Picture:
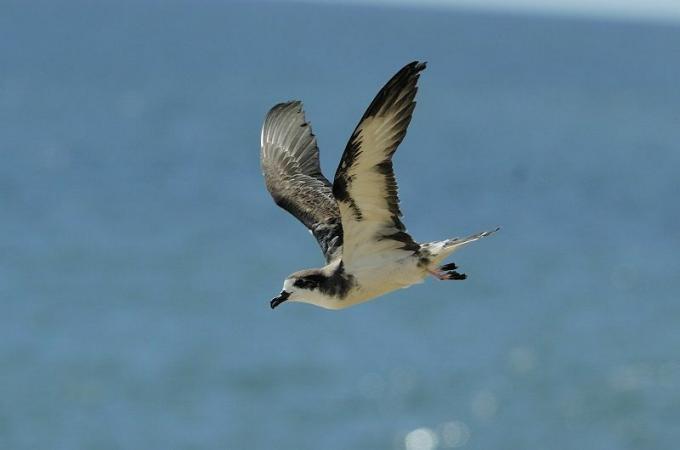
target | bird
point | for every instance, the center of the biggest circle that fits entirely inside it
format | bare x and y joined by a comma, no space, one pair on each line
356,219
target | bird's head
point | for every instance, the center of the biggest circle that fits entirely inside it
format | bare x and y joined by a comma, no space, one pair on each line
300,286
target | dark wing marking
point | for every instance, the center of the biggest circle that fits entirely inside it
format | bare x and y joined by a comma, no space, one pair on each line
364,186
290,163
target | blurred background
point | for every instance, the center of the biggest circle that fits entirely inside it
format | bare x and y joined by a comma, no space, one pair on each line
139,247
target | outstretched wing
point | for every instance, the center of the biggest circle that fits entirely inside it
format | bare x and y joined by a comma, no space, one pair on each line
364,185
290,164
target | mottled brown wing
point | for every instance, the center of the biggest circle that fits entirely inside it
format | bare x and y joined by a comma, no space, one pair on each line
290,163
364,185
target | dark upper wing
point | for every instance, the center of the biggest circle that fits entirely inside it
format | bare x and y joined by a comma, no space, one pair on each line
364,185
290,164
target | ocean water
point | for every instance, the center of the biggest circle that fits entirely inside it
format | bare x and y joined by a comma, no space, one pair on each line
139,248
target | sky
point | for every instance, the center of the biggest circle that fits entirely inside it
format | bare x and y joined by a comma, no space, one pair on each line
664,10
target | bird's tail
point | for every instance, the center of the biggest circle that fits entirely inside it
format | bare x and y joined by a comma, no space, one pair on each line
444,248
457,242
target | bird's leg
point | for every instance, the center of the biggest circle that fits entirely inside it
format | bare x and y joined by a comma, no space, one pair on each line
447,272
438,274
453,275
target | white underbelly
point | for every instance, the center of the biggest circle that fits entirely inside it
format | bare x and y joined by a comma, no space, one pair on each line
381,277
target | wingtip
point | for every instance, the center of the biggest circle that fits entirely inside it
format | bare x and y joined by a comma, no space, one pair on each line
284,108
413,70
293,104
287,104
417,66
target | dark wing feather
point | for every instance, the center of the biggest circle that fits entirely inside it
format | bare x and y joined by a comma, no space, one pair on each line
364,186
290,163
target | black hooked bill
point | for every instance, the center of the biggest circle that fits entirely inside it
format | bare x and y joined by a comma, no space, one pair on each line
276,301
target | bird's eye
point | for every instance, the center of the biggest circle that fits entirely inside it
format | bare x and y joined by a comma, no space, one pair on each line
304,283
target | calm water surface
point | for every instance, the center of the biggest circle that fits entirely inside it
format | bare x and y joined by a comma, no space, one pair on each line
139,248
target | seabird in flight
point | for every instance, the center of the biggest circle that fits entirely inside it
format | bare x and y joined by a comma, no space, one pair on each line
356,220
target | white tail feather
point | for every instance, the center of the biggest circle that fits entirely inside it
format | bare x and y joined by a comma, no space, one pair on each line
441,249
457,242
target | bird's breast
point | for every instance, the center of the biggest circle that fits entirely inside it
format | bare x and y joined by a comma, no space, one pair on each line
375,280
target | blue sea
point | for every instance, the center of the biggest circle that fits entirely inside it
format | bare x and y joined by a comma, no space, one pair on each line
139,248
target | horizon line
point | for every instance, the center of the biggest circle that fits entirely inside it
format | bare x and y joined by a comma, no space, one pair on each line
657,11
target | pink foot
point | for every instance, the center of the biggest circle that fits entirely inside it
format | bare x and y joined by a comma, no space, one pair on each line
438,274
449,275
